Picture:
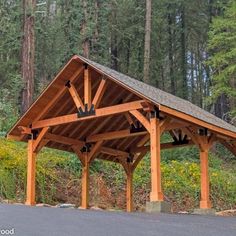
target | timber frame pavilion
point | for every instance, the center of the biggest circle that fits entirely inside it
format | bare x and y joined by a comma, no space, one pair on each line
97,112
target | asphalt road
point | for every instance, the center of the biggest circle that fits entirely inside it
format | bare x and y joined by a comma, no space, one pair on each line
42,221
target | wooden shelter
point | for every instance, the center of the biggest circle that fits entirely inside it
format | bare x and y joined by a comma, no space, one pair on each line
97,112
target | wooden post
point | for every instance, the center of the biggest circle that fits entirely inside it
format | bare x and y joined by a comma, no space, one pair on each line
87,87
85,184
30,194
205,198
129,191
155,139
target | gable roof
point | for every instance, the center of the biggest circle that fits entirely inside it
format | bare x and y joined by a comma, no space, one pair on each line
156,96
161,97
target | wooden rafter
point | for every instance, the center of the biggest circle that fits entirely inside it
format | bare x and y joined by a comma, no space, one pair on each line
140,117
112,110
99,94
144,140
64,140
113,135
193,120
129,119
75,96
40,138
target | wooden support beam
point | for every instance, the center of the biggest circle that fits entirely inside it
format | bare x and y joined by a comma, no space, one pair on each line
112,110
25,130
124,163
14,137
31,172
79,154
163,147
129,190
205,202
190,119
99,94
139,158
144,140
87,87
113,135
204,142
164,124
85,184
175,125
40,138
114,152
129,119
195,138
76,97
173,134
42,144
155,137
64,140
96,148
141,118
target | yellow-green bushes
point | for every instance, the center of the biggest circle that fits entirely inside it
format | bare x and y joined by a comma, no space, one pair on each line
58,179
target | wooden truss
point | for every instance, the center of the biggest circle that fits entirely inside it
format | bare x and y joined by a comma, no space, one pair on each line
146,121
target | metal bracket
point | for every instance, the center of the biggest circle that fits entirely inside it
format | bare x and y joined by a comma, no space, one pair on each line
130,158
203,132
86,112
85,66
33,135
156,113
67,84
181,141
86,148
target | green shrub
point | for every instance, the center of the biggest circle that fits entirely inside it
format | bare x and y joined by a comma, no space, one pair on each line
58,177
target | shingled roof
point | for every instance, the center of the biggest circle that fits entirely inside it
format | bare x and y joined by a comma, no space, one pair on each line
158,96
56,101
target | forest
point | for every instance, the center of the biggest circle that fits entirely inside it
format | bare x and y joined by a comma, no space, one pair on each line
187,48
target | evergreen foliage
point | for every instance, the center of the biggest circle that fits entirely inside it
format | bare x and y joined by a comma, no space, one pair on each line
222,45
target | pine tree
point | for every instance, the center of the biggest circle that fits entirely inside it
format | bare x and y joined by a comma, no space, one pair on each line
222,45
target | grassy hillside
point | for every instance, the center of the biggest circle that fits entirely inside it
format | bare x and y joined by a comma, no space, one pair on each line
58,179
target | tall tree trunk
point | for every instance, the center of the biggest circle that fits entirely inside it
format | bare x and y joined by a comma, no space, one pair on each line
183,55
192,78
94,46
28,54
128,56
222,107
114,43
147,42
84,30
170,53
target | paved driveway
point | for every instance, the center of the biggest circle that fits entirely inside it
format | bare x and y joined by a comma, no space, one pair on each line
42,221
